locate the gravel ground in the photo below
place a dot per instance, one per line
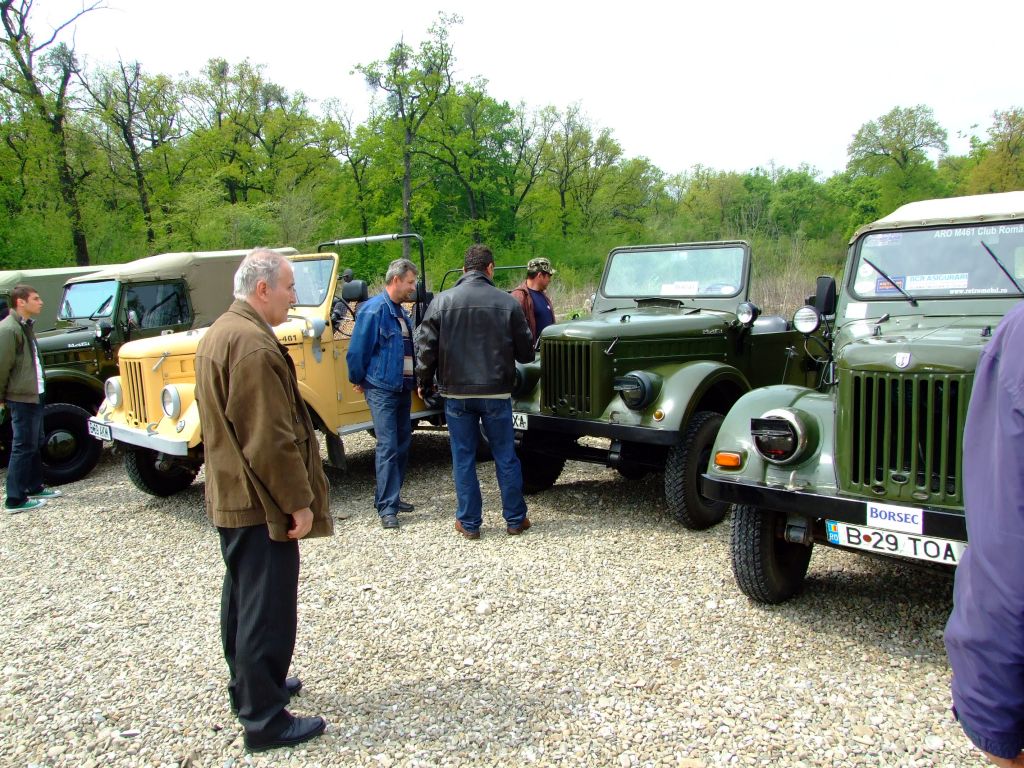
(606, 636)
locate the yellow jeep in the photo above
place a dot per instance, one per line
(150, 410)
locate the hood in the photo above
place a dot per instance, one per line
(643, 322)
(63, 340)
(915, 344)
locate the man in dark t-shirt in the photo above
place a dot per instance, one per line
(532, 297)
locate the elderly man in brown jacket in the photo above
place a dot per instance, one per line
(265, 490)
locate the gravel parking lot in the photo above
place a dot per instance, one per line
(606, 636)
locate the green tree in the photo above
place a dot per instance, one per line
(1000, 164)
(413, 82)
(40, 73)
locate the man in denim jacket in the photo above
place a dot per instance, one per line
(380, 365)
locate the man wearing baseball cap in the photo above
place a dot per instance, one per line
(532, 297)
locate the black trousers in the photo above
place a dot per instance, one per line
(258, 618)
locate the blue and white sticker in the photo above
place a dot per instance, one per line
(890, 517)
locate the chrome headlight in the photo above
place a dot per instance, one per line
(637, 389)
(170, 401)
(783, 435)
(806, 320)
(112, 391)
(747, 312)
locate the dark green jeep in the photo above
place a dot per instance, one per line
(671, 344)
(871, 459)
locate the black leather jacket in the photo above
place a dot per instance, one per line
(471, 338)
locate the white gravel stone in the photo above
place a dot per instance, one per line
(611, 637)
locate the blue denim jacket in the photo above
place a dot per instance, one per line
(376, 352)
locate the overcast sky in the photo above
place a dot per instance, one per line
(730, 84)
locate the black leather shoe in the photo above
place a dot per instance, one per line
(293, 685)
(389, 521)
(405, 506)
(300, 729)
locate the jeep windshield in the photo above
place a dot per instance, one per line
(88, 301)
(312, 281)
(675, 273)
(952, 262)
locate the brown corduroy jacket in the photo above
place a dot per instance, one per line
(262, 457)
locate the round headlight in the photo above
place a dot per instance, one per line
(637, 389)
(170, 401)
(781, 436)
(112, 391)
(747, 312)
(806, 320)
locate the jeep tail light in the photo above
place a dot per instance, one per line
(781, 435)
(637, 389)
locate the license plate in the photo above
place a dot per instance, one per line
(895, 543)
(99, 431)
(520, 421)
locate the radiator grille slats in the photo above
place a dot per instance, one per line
(566, 377)
(134, 394)
(904, 436)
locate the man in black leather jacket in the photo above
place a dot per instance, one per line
(470, 339)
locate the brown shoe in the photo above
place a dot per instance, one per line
(464, 532)
(515, 530)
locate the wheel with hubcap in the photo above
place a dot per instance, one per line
(767, 568)
(684, 465)
(68, 451)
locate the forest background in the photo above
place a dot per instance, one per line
(105, 164)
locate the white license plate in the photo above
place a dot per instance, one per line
(99, 431)
(895, 543)
(520, 421)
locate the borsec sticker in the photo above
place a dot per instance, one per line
(893, 518)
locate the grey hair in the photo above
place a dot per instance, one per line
(260, 264)
(398, 268)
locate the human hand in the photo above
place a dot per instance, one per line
(358, 388)
(302, 523)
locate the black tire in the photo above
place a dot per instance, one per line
(767, 568)
(140, 464)
(68, 452)
(540, 471)
(684, 465)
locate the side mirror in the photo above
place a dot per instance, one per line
(354, 290)
(825, 296)
(103, 329)
(133, 318)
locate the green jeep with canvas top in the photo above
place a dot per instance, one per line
(871, 459)
(672, 342)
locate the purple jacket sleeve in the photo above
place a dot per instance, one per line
(985, 632)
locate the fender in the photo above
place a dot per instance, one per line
(816, 471)
(688, 388)
(70, 376)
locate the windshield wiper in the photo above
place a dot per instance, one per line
(100, 307)
(1001, 266)
(907, 296)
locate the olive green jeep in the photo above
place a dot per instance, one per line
(672, 342)
(870, 460)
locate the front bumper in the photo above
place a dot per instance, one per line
(143, 439)
(937, 523)
(586, 428)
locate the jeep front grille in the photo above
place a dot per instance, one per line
(903, 436)
(566, 377)
(132, 384)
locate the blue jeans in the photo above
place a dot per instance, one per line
(390, 412)
(464, 419)
(25, 470)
